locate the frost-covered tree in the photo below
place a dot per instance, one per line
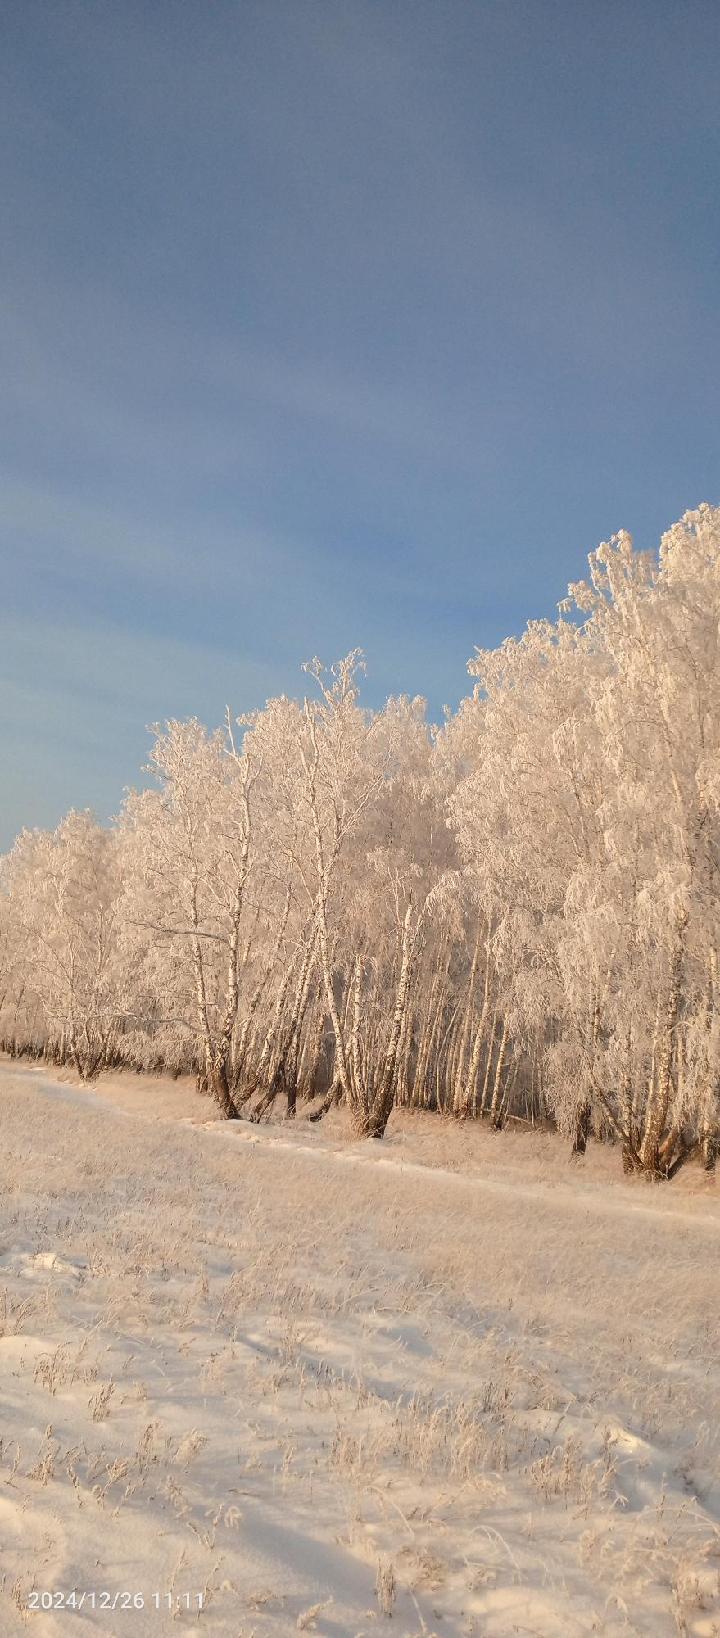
(186, 850)
(658, 716)
(513, 915)
(590, 818)
(61, 891)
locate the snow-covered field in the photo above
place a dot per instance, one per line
(313, 1384)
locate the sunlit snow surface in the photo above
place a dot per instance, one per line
(283, 1371)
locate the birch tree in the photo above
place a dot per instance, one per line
(517, 912)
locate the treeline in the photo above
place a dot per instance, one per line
(515, 915)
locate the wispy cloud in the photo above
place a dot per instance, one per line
(76, 700)
(330, 325)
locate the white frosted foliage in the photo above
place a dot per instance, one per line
(514, 916)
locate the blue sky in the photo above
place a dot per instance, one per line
(325, 324)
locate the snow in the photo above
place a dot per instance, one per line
(284, 1371)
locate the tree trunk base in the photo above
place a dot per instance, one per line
(630, 1163)
(217, 1085)
(710, 1152)
(582, 1130)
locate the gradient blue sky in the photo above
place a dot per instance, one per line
(330, 323)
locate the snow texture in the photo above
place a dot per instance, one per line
(326, 1386)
